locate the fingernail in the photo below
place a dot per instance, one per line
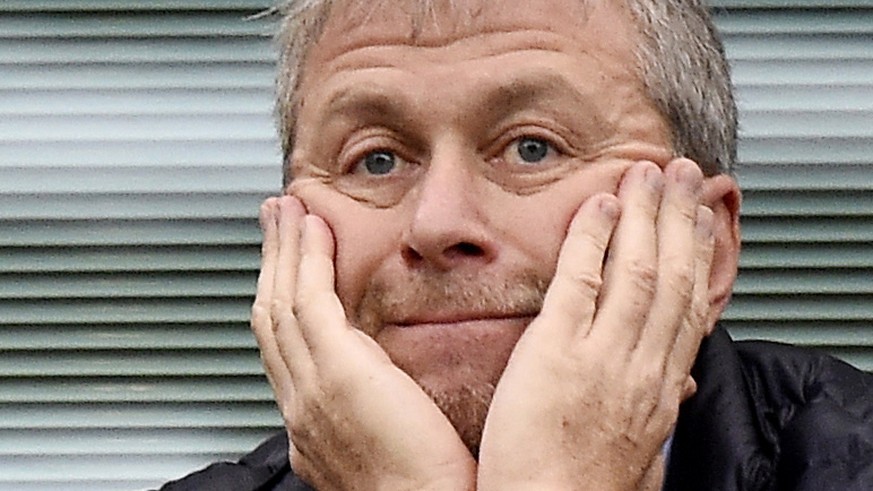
(609, 207)
(654, 177)
(690, 177)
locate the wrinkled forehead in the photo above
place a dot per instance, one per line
(439, 22)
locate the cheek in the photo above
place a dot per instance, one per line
(365, 241)
(538, 223)
(365, 237)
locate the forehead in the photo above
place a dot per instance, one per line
(594, 25)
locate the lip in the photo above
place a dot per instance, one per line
(463, 321)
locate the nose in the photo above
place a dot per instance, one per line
(449, 228)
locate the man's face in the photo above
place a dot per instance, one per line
(448, 155)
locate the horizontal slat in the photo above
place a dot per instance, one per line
(813, 72)
(126, 311)
(153, 181)
(139, 442)
(806, 255)
(65, 103)
(734, 23)
(177, 285)
(809, 124)
(128, 233)
(113, 363)
(808, 203)
(84, 161)
(798, 179)
(790, 4)
(136, 127)
(129, 5)
(145, 51)
(114, 25)
(787, 99)
(80, 338)
(787, 151)
(125, 206)
(798, 281)
(800, 307)
(138, 389)
(130, 259)
(38, 417)
(808, 229)
(816, 47)
(116, 76)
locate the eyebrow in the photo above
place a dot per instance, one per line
(493, 101)
(532, 89)
(369, 102)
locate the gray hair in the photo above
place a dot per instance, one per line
(681, 62)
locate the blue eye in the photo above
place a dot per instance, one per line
(532, 150)
(380, 162)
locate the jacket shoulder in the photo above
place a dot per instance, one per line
(266, 468)
(820, 411)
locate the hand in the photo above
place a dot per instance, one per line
(354, 420)
(592, 389)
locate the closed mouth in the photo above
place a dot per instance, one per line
(456, 319)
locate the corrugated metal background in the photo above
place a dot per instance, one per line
(136, 143)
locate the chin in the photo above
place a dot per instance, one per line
(466, 407)
(458, 368)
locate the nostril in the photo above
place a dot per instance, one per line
(460, 250)
(466, 249)
(411, 256)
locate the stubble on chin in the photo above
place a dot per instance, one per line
(466, 409)
(464, 405)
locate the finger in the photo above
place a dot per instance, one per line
(317, 306)
(630, 272)
(286, 327)
(696, 328)
(261, 320)
(677, 256)
(571, 299)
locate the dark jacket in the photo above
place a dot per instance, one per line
(766, 416)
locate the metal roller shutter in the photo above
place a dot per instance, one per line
(136, 143)
(804, 76)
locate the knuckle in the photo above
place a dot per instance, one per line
(682, 273)
(589, 235)
(644, 276)
(260, 316)
(686, 211)
(697, 316)
(586, 283)
(277, 306)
